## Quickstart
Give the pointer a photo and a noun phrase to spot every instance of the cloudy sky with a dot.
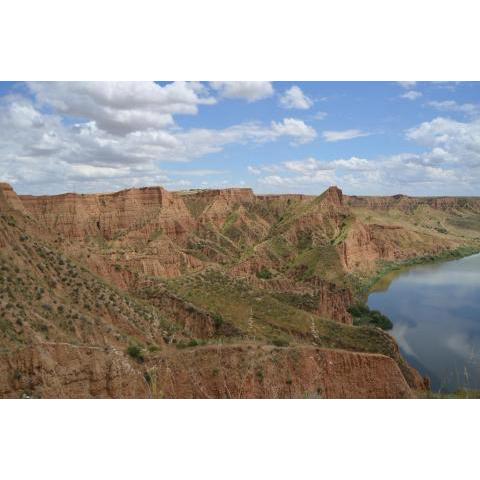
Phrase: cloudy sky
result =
(418, 138)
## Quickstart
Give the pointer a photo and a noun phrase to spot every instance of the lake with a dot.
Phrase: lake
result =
(435, 310)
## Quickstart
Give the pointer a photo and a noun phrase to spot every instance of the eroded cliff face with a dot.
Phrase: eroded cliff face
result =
(237, 371)
(404, 202)
(56, 370)
(9, 200)
(135, 213)
(85, 277)
(265, 372)
(301, 240)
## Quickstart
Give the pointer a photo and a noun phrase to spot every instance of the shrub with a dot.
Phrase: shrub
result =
(136, 353)
(148, 377)
(264, 274)
(217, 320)
(191, 343)
(362, 315)
(280, 342)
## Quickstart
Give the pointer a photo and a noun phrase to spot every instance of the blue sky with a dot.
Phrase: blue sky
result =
(417, 138)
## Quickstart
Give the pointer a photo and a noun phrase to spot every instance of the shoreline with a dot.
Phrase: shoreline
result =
(401, 267)
(388, 267)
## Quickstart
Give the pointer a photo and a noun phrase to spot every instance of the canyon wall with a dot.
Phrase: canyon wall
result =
(242, 371)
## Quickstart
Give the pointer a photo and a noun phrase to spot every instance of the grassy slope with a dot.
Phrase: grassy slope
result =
(261, 315)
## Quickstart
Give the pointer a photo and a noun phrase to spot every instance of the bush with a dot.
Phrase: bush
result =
(217, 320)
(264, 274)
(136, 353)
(280, 342)
(148, 377)
(362, 315)
(191, 343)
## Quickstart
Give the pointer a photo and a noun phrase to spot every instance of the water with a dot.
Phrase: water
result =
(435, 310)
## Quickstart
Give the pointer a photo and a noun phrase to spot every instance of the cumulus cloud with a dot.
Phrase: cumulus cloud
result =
(250, 91)
(450, 140)
(295, 98)
(44, 151)
(123, 107)
(449, 165)
(297, 129)
(411, 95)
(337, 136)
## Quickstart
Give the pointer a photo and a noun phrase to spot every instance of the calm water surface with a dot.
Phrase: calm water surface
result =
(435, 310)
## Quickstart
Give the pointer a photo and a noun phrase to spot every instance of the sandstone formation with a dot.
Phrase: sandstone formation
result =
(68, 371)
(149, 293)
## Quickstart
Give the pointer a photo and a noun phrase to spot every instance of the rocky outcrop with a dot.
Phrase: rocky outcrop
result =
(333, 303)
(9, 200)
(220, 202)
(365, 244)
(58, 370)
(251, 371)
(406, 203)
(141, 213)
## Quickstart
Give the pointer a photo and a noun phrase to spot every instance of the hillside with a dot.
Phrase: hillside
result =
(209, 293)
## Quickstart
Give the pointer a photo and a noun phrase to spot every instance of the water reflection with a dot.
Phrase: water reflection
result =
(435, 310)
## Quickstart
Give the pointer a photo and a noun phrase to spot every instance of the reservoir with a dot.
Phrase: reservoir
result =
(435, 310)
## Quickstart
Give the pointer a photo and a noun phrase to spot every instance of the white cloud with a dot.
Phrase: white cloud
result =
(337, 136)
(250, 91)
(453, 106)
(254, 170)
(411, 95)
(320, 115)
(450, 165)
(307, 166)
(451, 141)
(295, 98)
(322, 178)
(41, 149)
(123, 107)
(297, 129)
(407, 85)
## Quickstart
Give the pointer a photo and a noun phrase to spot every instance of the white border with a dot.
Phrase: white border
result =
(349, 439)
(248, 40)
(233, 40)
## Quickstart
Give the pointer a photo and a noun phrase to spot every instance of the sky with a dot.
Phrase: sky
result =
(372, 138)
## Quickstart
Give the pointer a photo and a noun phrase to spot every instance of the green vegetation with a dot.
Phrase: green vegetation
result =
(280, 342)
(218, 320)
(156, 234)
(363, 285)
(191, 343)
(303, 301)
(340, 238)
(362, 315)
(264, 274)
(231, 219)
(136, 353)
(459, 394)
